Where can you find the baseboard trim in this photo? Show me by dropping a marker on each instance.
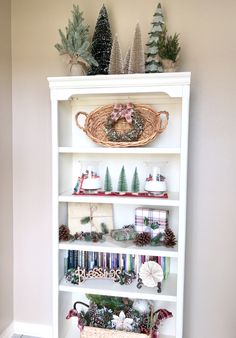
(8, 332)
(34, 330)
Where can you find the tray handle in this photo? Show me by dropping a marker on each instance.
(77, 121)
(164, 122)
(81, 303)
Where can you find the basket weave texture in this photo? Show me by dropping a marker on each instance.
(90, 332)
(94, 125)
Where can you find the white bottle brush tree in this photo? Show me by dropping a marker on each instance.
(116, 62)
(153, 65)
(75, 42)
(137, 62)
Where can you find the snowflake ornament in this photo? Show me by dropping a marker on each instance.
(121, 322)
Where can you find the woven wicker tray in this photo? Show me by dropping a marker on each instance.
(95, 332)
(96, 120)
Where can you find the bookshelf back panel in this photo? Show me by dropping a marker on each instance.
(71, 135)
(125, 214)
(72, 165)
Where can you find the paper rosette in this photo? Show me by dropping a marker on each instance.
(151, 273)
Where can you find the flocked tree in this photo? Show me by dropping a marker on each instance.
(107, 181)
(122, 183)
(126, 62)
(153, 65)
(75, 41)
(101, 43)
(116, 64)
(137, 62)
(135, 181)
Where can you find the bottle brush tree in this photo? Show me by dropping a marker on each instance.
(152, 65)
(107, 181)
(116, 63)
(75, 41)
(137, 62)
(122, 183)
(126, 62)
(135, 181)
(101, 44)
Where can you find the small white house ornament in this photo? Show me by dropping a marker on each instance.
(151, 273)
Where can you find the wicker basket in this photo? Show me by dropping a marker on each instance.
(90, 332)
(96, 120)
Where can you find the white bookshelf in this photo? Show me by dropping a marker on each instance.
(166, 91)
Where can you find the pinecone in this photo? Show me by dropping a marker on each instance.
(142, 239)
(169, 238)
(64, 233)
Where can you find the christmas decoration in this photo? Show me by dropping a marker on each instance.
(64, 233)
(168, 50)
(151, 273)
(89, 217)
(169, 238)
(126, 62)
(116, 64)
(79, 276)
(137, 64)
(133, 120)
(124, 234)
(113, 303)
(104, 228)
(101, 44)
(157, 240)
(89, 236)
(158, 317)
(152, 65)
(135, 182)
(155, 182)
(142, 239)
(151, 220)
(142, 306)
(122, 183)
(107, 181)
(75, 42)
(121, 322)
(117, 314)
(125, 277)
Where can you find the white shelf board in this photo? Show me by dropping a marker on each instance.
(109, 288)
(112, 246)
(101, 150)
(172, 200)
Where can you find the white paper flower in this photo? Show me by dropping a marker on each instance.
(151, 273)
(121, 322)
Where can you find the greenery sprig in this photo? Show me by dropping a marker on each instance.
(168, 46)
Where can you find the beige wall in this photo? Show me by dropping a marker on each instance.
(207, 31)
(6, 224)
